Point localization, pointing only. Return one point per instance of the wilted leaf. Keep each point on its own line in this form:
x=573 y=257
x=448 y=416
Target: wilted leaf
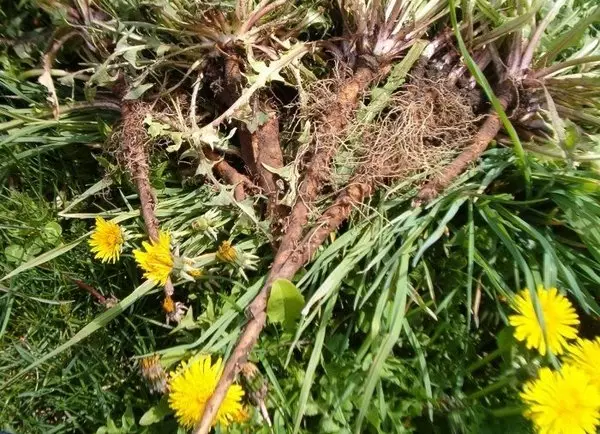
x=129 y=52
x=257 y=121
x=291 y=176
x=101 y=76
x=263 y=70
x=46 y=81
x=162 y=49
x=177 y=138
x=204 y=167
x=156 y=129
x=224 y=198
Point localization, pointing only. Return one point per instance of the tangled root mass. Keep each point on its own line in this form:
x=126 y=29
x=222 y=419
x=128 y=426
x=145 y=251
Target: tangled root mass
x=425 y=125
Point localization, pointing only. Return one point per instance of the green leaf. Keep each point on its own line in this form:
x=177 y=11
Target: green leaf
x=572 y=135
x=187 y=323
x=51 y=232
x=156 y=413
x=313 y=363
x=14 y=253
x=328 y=425
x=505 y=338
x=96 y=188
x=390 y=339
x=34 y=248
x=381 y=96
x=482 y=81
x=128 y=419
x=285 y=303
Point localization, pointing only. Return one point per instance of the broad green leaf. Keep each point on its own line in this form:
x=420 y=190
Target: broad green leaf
x=285 y=303
x=14 y=253
x=156 y=413
x=51 y=232
x=128 y=419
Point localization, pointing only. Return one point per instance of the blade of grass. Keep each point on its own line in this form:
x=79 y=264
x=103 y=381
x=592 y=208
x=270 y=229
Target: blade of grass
x=471 y=262
x=45 y=257
x=390 y=340
x=485 y=85
x=568 y=39
x=99 y=322
x=96 y=188
x=436 y=235
x=313 y=362
x=422 y=364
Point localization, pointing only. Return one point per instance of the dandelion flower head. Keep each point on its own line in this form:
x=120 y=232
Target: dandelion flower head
x=562 y=402
x=107 y=240
x=226 y=252
x=585 y=354
x=191 y=387
x=559 y=316
x=156 y=260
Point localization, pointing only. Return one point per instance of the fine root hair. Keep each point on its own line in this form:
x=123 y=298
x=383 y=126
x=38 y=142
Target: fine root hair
x=426 y=124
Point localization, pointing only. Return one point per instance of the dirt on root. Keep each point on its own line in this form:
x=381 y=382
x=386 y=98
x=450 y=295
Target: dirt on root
x=134 y=156
x=316 y=157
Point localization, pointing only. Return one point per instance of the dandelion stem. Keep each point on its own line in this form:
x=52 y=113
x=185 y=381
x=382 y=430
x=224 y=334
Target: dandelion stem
x=507 y=411
x=485 y=360
x=491 y=388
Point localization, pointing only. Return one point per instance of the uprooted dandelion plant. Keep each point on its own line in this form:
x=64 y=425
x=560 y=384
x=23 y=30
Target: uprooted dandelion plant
x=320 y=173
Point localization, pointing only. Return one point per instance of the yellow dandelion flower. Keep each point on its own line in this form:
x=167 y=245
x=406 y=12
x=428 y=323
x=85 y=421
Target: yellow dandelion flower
x=107 y=240
x=193 y=384
x=560 y=320
x=562 y=402
x=585 y=354
x=156 y=261
x=226 y=252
